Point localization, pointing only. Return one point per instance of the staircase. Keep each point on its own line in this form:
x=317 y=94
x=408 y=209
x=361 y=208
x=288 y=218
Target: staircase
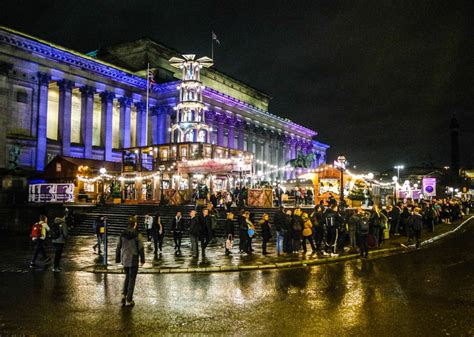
x=118 y=217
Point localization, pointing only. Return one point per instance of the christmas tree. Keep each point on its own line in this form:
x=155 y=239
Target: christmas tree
x=357 y=192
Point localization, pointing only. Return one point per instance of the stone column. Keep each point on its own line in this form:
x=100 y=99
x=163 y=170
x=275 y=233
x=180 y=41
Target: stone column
x=154 y=124
x=4 y=112
x=141 y=132
x=87 y=121
x=64 y=114
x=231 y=134
x=240 y=135
x=106 y=116
x=221 y=119
x=125 y=103
x=210 y=119
x=162 y=128
x=43 y=87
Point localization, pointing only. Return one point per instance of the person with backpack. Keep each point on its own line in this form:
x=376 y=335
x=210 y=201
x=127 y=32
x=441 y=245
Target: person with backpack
x=194 y=232
x=266 y=232
x=362 y=228
x=352 y=227
x=177 y=227
x=58 y=233
x=38 y=235
x=99 y=230
x=129 y=250
x=242 y=224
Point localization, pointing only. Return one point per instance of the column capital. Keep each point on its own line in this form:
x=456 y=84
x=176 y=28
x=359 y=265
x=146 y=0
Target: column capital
x=65 y=85
x=141 y=106
x=231 y=121
x=292 y=141
x=87 y=90
x=43 y=78
x=107 y=96
x=221 y=118
x=239 y=124
x=125 y=101
x=210 y=116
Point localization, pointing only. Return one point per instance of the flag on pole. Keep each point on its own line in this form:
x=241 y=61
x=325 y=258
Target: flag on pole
x=150 y=78
x=214 y=38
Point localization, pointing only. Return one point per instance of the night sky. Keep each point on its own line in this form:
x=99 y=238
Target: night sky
x=379 y=80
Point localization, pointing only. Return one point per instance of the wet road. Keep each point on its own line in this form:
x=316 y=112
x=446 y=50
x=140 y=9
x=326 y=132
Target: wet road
x=429 y=292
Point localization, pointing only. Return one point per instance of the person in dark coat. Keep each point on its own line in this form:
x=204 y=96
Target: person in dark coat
x=158 y=234
x=206 y=230
x=177 y=226
x=266 y=232
x=362 y=229
x=194 y=233
x=229 y=231
x=280 y=228
x=242 y=232
x=296 y=230
x=129 y=251
x=287 y=242
x=59 y=242
x=415 y=222
x=376 y=223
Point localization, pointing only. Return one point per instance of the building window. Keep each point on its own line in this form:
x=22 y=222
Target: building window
x=58 y=167
x=21 y=97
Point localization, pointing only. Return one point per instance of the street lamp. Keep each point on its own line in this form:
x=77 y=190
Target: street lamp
x=398 y=168
x=162 y=199
x=395 y=179
x=341 y=159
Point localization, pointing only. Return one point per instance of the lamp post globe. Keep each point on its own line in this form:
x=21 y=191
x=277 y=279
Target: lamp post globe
x=341 y=159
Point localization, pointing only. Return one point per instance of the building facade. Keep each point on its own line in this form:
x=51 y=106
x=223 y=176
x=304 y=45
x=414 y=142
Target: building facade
x=55 y=101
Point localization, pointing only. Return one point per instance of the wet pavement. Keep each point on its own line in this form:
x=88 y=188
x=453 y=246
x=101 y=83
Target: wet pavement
x=429 y=292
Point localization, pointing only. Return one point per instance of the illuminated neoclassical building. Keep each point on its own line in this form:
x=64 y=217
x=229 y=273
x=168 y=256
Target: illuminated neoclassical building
x=58 y=102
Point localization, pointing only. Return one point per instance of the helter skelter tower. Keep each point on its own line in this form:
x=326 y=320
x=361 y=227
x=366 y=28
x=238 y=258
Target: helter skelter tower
x=190 y=123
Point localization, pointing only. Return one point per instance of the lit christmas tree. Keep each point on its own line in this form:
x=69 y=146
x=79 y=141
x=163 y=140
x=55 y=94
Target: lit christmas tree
x=357 y=192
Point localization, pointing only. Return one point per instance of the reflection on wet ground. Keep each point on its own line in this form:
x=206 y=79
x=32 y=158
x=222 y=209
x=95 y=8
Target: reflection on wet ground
x=424 y=293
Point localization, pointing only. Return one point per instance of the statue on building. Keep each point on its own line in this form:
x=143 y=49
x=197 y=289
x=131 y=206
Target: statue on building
x=301 y=160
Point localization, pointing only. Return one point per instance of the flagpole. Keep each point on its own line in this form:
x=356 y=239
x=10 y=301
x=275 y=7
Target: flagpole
x=147 y=99
x=212 y=46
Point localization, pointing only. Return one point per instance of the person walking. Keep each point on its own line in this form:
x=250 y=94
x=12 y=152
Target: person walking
x=206 y=230
x=308 y=233
x=229 y=232
x=38 y=235
x=129 y=251
x=99 y=230
x=242 y=232
x=59 y=234
x=177 y=227
x=148 y=225
x=158 y=233
x=280 y=228
x=266 y=232
x=194 y=232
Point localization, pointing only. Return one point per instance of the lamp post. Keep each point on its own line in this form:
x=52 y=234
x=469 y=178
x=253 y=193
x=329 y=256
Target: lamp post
x=341 y=159
x=395 y=179
x=398 y=168
x=162 y=199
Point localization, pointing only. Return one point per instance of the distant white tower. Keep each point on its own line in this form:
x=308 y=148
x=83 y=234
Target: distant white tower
x=190 y=123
